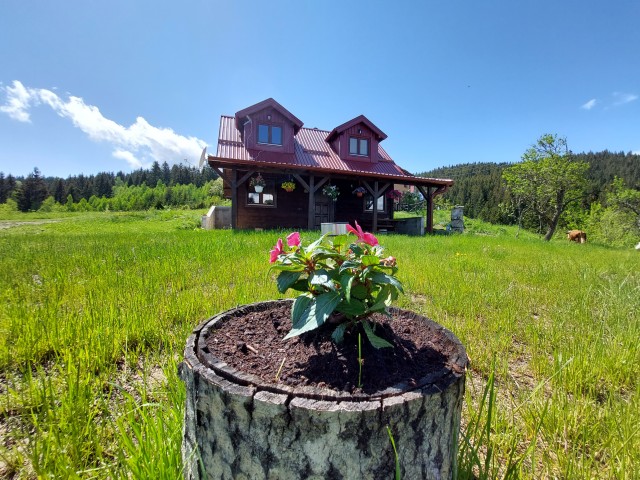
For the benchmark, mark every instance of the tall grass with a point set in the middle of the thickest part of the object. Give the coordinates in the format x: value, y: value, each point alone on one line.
x: 95, y: 310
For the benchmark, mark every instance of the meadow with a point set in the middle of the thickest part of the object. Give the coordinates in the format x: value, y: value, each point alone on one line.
x: 95, y: 309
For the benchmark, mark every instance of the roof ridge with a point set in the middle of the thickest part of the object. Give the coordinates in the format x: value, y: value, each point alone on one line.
x: 315, y: 129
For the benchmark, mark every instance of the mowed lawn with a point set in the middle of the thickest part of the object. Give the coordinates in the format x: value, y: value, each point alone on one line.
x: 95, y: 310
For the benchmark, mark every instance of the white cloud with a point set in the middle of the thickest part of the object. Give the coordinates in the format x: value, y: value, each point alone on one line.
x: 139, y: 144
x: 18, y: 101
x: 590, y: 104
x: 620, y: 98
x: 128, y: 157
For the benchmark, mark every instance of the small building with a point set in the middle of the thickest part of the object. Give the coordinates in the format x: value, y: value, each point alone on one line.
x: 342, y: 175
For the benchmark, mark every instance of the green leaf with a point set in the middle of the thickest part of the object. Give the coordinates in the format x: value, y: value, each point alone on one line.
x: 383, y: 278
x: 286, y: 279
x: 346, y: 281
x: 353, y: 308
x: 301, y: 285
x: 348, y: 265
x: 383, y: 300
x: 369, y: 260
x: 375, y: 340
x: 300, y: 304
x: 340, y: 240
x: 321, y: 277
x: 289, y: 267
x: 312, y: 246
x: 338, y: 333
x: 359, y: 291
x: 315, y: 314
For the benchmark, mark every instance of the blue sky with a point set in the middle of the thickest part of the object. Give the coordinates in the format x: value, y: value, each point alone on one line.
x: 89, y: 86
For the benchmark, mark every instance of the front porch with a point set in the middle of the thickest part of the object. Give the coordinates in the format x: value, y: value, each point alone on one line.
x: 307, y: 207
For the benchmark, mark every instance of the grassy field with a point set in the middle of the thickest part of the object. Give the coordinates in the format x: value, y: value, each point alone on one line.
x: 95, y: 310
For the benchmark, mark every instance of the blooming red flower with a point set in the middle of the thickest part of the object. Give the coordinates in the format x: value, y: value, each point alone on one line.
x: 276, y: 251
x: 293, y: 239
x: 366, y: 237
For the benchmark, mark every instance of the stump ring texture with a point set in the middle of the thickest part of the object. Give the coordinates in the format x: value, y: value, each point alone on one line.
x: 237, y: 426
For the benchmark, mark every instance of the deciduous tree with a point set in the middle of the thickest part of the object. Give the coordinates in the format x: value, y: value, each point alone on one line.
x: 547, y: 180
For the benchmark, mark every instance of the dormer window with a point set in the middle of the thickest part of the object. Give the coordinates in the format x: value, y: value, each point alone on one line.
x: 269, y: 134
x: 359, y: 146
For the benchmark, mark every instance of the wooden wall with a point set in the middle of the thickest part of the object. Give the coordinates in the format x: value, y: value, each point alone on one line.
x: 341, y: 143
x: 290, y: 209
x: 250, y: 135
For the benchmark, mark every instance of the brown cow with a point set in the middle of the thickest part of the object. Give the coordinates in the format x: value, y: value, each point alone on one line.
x: 577, y: 236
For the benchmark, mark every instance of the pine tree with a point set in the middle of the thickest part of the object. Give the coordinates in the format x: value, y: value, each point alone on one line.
x: 4, y: 189
x: 32, y: 192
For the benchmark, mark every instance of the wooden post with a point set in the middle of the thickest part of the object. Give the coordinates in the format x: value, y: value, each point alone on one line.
x: 374, y: 223
x: 312, y: 202
x: 429, y: 212
x: 234, y: 198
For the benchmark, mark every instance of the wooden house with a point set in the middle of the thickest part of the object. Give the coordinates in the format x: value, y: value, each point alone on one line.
x: 266, y: 140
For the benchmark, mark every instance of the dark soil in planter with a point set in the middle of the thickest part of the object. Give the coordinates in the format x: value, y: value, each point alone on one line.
x: 253, y: 343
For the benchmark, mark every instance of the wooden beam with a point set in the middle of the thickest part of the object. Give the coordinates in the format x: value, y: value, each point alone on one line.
x: 429, y: 210
x: 245, y: 177
x: 321, y: 183
x: 222, y: 174
x: 301, y: 181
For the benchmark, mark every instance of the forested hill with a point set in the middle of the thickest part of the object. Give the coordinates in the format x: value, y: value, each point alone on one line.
x: 479, y: 186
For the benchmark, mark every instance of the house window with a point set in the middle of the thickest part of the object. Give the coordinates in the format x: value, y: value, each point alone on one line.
x: 368, y: 203
x: 265, y: 198
x: 269, y: 134
x: 359, y: 146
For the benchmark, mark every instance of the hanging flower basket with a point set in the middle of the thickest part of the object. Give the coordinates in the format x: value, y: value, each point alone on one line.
x: 331, y: 191
x: 258, y: 183
x: 359, y: 192
x: 394, y: 194
x: 289, y: 186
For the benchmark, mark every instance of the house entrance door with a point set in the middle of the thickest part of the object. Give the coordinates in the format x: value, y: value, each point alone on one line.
x: 323, y: 210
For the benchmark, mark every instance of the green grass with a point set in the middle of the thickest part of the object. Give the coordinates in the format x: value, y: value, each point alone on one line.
x: 96, y: 308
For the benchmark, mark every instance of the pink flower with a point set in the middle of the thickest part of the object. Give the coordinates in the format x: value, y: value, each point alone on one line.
x: 366, y: 237
x: 293, y: 239
x: 276, y: 251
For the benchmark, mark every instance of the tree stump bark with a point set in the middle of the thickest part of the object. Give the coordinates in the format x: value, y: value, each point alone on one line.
x: 238, y: 427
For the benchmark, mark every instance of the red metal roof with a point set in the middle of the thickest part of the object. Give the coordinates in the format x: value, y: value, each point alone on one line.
x: 312, y: 152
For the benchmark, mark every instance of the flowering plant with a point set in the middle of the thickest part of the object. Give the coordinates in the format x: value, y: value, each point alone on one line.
x: 257, y: 181
x: 331, y: 191
x: 394, y: 194
x: 336, y: 275
x: 289, y: 186
x: 359, y: 190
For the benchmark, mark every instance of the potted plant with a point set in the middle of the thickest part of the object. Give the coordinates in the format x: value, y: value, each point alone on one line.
x: 360, y: 191
x: 394, y: 194
x: 258, y: 183
x: 331, y: 191
x: 353, y: 377
x: 289, y: 186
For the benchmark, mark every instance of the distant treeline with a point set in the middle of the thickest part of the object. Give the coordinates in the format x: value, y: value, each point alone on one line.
x: 160, y: 185
x: 482, y: 191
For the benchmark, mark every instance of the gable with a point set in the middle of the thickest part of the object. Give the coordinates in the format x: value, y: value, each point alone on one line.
x: 356, y: 140
x: 268, y: 126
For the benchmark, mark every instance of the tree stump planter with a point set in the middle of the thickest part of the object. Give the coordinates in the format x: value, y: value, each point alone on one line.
x: 239, y: 426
